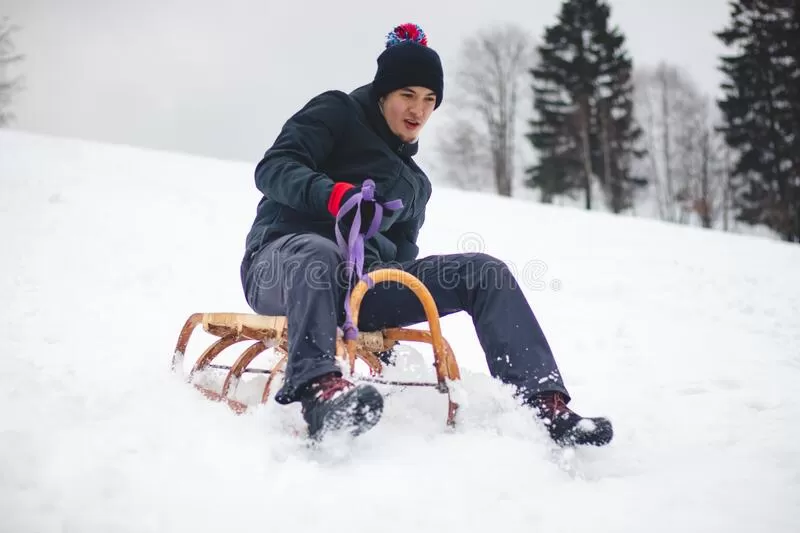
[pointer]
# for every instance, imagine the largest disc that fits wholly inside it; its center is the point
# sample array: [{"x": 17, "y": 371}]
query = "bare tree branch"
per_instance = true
[
  {"x": 466, "y": 156},
  {"x": 8, "y": 85},
  {"x": 685, "y": 153},
  {"x": 486, "y": 97}
]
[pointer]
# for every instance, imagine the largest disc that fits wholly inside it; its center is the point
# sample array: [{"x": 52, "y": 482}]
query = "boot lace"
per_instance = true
[
  {"x": 329, "y": 387},
  {"x": 552, "y": 404}
]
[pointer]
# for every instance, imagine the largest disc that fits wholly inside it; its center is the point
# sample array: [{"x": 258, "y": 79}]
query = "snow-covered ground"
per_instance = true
[{"x": 689, "y": 340}]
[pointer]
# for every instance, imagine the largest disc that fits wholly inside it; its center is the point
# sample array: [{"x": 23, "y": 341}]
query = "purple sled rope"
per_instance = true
[{"x": 353, "y": 247}]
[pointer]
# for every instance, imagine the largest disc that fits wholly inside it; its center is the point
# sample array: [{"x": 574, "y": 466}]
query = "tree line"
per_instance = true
[{"x": 608, "y": 134}]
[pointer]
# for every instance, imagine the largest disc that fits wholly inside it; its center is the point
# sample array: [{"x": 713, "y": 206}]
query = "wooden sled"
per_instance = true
[{"x": 271, "y": 332}]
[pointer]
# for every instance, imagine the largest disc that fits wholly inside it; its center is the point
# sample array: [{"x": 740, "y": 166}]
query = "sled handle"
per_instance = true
[{"x": 425, "y": 298}]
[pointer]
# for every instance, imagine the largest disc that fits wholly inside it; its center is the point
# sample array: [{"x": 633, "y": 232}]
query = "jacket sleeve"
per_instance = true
[
  {"x": 289, "y": 171},
  {"x": 404, "y": 236}
]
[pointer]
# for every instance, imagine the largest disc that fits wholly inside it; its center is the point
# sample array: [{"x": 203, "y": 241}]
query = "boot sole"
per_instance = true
[
  {"x": 355, "y": 412},
  {"x": 601, "y": 435}
]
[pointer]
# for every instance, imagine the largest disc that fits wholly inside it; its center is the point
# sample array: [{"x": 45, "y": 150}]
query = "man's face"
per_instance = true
[{"x": 407, "y": 110}]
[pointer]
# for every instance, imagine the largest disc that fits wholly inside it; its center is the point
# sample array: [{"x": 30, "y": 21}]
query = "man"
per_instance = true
[{"x": 292, "y": 264}]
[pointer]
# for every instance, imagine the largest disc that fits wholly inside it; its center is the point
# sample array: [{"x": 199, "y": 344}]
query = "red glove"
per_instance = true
[
  {"x": 337, "y": 199},
  {"x": 343, "y": 191}
]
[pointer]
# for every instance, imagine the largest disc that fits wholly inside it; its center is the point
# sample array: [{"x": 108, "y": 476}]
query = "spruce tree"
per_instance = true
[
  {"x": 584, "y": 128},
  {"x": 761, "y": 112}
]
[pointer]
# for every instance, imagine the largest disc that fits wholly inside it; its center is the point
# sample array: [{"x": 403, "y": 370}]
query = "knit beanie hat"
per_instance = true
[{"x": 408, "y": 61}]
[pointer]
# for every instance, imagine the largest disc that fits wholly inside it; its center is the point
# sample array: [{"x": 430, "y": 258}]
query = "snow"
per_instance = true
[{"x": 688, "y": 339}]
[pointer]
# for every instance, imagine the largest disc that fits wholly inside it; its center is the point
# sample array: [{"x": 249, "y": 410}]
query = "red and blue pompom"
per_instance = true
[{"x": 406, "y": 32}]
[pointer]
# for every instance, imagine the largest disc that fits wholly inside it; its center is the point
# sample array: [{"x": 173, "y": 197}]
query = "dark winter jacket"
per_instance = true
[{"x": 339, "y": 137}]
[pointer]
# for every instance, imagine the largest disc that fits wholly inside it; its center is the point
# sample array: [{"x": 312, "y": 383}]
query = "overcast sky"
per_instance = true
[{"x": 219, "y": 78}]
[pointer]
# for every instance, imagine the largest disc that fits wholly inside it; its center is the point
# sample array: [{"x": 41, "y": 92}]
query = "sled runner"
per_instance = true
[{"x": 267, "y": 332}]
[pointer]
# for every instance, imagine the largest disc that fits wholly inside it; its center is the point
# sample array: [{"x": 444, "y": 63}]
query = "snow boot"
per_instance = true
[
  {"x": 331, "y": 403},
  {"x": 566, "y": 427}
]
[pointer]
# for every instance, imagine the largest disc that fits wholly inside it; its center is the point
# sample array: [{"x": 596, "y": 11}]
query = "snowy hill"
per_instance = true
[{"x": 689, "y": 340}]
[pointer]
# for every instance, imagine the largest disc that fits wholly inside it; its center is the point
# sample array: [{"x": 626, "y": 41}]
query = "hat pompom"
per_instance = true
[{"x": 406, "y": 32}]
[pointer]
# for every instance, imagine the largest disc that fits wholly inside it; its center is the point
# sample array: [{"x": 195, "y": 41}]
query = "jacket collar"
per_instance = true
[{"x": 368, "y": 102}]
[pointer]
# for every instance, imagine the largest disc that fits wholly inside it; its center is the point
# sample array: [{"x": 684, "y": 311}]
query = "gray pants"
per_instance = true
[{"x": 302, "y": 277}]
